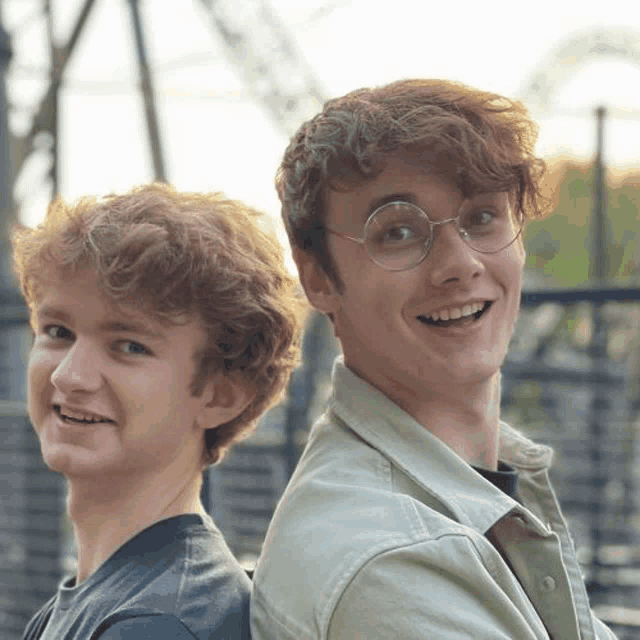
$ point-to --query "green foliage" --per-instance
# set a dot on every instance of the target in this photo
(525, 409)
(559, 247)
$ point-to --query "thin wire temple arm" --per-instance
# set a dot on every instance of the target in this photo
(344, 235)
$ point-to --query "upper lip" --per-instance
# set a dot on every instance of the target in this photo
(69, 409)
(455, 305)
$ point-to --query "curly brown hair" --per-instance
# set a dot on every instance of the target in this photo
(182, 255)
(480, 141)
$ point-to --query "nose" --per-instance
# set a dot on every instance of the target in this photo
(78, 371)
(451, 259)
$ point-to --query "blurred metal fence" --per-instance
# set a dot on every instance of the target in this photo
(559, 386)
(31, 515)
(571, 380)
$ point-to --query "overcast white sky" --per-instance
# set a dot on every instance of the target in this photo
(215, 137)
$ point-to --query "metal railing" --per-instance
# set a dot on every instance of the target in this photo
(571, 380)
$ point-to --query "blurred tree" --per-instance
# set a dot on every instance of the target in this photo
(558, 246)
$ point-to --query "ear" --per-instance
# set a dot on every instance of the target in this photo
(317, 285)
(225, 397)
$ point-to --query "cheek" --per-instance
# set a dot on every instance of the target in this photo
(154, 390)
(512, 264)
(371, 301)
(515, 271)
(39, 369)
(520, 251)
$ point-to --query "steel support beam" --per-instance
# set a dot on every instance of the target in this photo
(61, 57)
(148, 94)
(265, 56)
(598, 351)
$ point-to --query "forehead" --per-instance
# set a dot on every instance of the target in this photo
(403, 178)
(80, 296)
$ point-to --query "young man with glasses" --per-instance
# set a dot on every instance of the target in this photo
(415, 512)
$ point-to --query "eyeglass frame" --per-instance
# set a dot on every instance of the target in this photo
(432, 224)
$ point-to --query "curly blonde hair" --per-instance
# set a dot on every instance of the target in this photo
(481, 141)
(177, 255)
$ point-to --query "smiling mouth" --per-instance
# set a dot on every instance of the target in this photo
(70, 420)
(458, 321)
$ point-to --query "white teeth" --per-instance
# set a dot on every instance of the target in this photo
(454, 313)
(77, 415)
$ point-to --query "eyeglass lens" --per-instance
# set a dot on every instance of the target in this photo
(399, 235)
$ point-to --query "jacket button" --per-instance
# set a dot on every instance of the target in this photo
(548, 584)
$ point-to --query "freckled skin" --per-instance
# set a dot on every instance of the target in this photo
(377, 318)
(144, 388)
(445, 378)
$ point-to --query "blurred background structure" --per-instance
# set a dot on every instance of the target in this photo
(99, 95)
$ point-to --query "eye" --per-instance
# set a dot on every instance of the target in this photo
(399, 234)
(481, 221)
(132, 348)
(483, 218)
(396, 233)
(57, 332)
(396, 226)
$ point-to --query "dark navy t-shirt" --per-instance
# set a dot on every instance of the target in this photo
(176, 579)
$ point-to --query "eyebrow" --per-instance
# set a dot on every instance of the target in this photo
(112, 326)
(376, 203)
(55, 314)
(118, 326)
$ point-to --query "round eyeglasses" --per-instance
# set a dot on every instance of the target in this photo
(399, 235)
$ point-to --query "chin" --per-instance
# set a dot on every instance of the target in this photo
(73, 463)
(478, 364)
(59, 461)
(478, 376)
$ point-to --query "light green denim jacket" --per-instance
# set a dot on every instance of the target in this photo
(385, 533)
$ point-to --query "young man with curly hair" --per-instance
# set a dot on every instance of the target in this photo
(165, 323)
(415, 512)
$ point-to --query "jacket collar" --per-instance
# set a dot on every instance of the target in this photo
(473, 500)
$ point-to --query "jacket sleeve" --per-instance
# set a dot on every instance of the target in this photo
(437, 590)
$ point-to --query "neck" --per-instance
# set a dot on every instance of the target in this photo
(467, 420)
(105, 516)
(465, 416)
